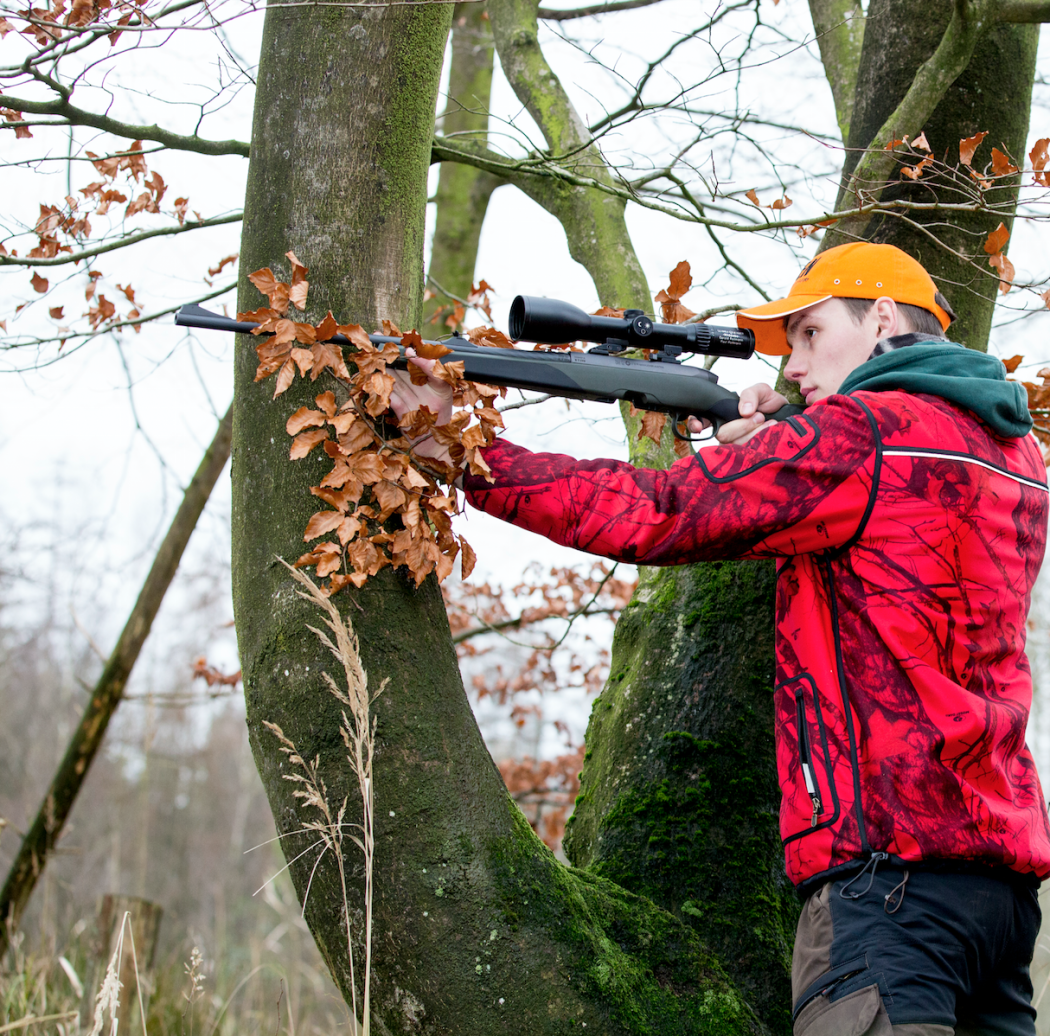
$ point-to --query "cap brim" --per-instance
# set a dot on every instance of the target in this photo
(767, 321)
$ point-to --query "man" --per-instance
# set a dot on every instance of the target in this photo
(907, 508)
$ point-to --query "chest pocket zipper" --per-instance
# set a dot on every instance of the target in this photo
(805, 758)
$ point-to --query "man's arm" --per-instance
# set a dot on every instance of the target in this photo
(800, 487)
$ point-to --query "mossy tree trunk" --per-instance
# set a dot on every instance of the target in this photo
(477, 927)
(463, 191)
(993, 94)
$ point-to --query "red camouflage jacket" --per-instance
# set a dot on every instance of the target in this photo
(909, 537)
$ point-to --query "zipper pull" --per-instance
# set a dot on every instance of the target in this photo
(817, 810)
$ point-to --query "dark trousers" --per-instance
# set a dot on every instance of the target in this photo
(918, 953)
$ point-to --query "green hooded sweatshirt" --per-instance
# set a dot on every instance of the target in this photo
(963, 376)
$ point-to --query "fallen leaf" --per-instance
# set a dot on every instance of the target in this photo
(913, 172)
(326, 329)
(1006, 271)
(223, 263)
(285, 377)
(996, 240)
(322, 522)
(681, 280)
(306, 441)
(1001, 165)
(968, 145)
(467, 558)
(489, 336)
(1039, 157)
(652, 426)
(304, 417)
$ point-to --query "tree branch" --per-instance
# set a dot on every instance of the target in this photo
(124, 242)
(117, 325)
(592, 9)
(520, 172)
(75, 116)
(1024, 12)
(108, 691)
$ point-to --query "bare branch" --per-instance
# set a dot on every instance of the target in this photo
(75, 116)
(586, 12)
(520, 171)
(115, 326)
(123, 242)
(1024, 11)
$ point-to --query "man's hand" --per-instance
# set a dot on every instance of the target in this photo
(435, 395)
(755, 403)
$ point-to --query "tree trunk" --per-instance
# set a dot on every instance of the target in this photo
(994, 93)
(477, 927)
(463, 192)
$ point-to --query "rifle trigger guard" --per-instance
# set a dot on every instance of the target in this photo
(677, 419)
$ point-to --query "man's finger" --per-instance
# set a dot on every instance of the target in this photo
(739, 431)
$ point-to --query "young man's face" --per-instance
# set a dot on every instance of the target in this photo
(827, 345)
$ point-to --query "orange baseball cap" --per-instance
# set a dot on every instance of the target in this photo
(855, 271)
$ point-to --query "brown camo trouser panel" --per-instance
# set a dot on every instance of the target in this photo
(861, 1013)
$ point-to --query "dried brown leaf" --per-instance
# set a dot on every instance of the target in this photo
(996, 240)
(968, 145)
(1001, 165)
(306, 441)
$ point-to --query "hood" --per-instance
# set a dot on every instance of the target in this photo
(963, 376)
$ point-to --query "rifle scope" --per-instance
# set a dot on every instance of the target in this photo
(551, 322)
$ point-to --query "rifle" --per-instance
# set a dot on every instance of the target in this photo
(661, 382)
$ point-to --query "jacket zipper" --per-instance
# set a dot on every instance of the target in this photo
(805, 759)
(858, 806)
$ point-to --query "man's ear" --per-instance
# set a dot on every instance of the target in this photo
(888, 317)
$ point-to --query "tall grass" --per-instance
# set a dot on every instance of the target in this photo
(358, 732)
(280, 988)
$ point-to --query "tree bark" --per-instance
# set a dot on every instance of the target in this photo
(839, 27)
(108, 691)
(477, 927)
(463, 191)
(994, 93)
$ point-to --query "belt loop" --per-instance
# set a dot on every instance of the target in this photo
(873, 862)
(890, 895)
